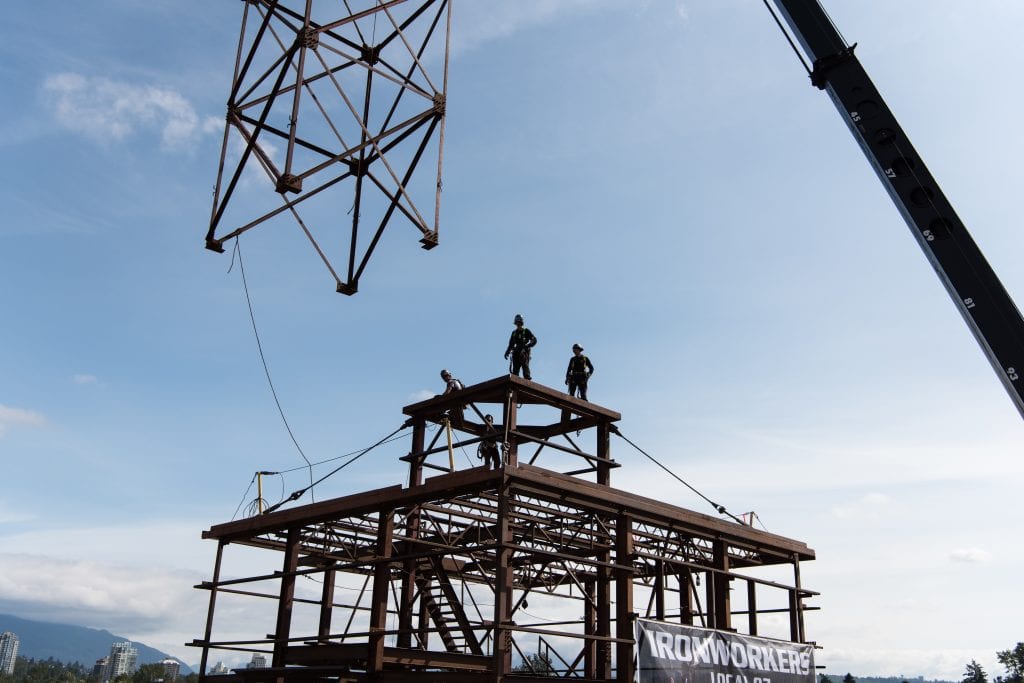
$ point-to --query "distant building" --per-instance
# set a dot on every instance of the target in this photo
(123, 660)
(171, 669)
(259, 661)
(218, 669)
(99, 670)
(8, 652)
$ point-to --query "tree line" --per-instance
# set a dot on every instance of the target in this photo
(1012, 660)
(28, 670)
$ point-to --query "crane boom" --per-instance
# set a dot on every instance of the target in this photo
(976, 291)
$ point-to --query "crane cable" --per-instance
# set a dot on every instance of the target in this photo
(266, 370)
(719, 508)
(789, 39)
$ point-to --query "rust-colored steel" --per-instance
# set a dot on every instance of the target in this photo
(333, 107)
(461, 575)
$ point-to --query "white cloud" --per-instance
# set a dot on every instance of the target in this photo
(8, 516)
(153, 604)
(134, 580)
(970, 555)
(941, 663)
(682, 12)
(421, 395)
(84, 379)
(107, 110)
(869, 505)
(479, 23)
(10, 417)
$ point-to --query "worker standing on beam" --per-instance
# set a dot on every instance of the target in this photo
(519, 345)
(487, 450)
(451, 385)
(579, 371)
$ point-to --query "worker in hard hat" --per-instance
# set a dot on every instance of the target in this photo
(579, 371)
(487, 449)
(451, 384)
(519, 345)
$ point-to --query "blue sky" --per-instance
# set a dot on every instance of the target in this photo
(656, 180)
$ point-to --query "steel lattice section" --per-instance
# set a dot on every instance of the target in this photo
(337, 104)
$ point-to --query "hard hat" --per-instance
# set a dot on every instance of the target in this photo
(577, 346)
(518, 319)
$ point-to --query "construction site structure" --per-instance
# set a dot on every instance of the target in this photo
(537, 568)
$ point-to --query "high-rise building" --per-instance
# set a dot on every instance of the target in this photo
(123, 658)
(171, 669)
(8, 652)
(259, 661)
(100, 669)
(218, 669)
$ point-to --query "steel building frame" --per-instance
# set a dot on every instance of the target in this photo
(448, 563)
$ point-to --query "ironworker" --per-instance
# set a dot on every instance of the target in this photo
(455, 414)
(451, 384)
(487, 450)
(579, 371)
(519, 345)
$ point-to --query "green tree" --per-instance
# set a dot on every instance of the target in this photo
(538, 664)
(848, 678)
(1013, 660)
(974, 673)
(45, 671)
(147, 673)
(822, 678)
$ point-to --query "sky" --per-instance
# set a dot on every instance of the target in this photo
(656, 180)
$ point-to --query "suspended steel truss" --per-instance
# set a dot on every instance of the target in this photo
(334, 104)
(534, 568)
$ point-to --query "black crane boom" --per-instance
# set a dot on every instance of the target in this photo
(976, 291)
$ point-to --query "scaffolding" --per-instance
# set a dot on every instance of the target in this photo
(447, 567)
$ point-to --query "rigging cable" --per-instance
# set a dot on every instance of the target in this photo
(327, 460)
(263, 359)
(299, 493)
(719, 508)
(242, 502)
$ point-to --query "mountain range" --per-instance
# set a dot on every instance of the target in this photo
(68, 644)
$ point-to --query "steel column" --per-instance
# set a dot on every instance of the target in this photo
(624, 598)
(504, 583)
(659, 590)
(327, 603)
(419, 431)
(379, 599)
(589, 629)
(287, 598)
(685, 602)
(752, 607)
(604, 470)
(510, 410)
(604, 626)
(210, 610)
(723, 611)
(798, 598)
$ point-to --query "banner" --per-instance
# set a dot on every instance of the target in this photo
(672, 653)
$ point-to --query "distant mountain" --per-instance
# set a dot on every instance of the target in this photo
(68, 644)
